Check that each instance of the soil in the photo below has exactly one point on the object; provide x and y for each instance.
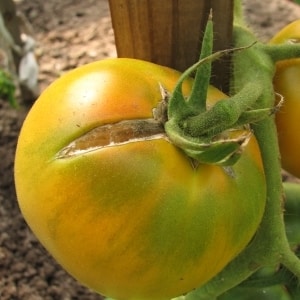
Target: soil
(69, 33)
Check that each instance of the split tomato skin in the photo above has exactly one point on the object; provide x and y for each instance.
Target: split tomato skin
(287, 84)
(138, 220)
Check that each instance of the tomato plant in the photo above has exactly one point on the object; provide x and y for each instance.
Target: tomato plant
(114, 201)
(287, 84)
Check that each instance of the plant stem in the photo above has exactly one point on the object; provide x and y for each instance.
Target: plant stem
(290, 260)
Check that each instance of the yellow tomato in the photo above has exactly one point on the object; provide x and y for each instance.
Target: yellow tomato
(287, 84)
(134, 219)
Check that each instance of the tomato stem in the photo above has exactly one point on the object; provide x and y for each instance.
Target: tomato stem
(283, 51)
(290, 260)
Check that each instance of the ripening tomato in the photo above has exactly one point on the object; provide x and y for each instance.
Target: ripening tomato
(120, 208)
(287, 84)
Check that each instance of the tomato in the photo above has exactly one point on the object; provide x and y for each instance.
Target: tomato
(134, 219)
(287, 84)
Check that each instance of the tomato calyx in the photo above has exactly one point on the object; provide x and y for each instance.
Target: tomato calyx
(210, 134)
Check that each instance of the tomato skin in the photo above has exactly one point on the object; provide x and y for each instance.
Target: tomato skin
(287, 84)
(136, 221)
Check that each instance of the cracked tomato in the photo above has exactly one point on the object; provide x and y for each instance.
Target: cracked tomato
(121, 208)
(287, 84)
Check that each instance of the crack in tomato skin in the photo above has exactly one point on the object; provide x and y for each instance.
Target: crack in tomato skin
(122, 132)
(110, 135)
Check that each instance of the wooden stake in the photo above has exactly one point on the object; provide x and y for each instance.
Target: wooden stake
(168, 32)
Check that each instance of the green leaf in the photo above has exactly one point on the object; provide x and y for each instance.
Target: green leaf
(270, 293)
(292, 212)
(7, 88)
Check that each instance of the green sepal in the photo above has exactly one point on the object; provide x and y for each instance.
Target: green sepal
(224, 149)
(197, 98)
(218, 153)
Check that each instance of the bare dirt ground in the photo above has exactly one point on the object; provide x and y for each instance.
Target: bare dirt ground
(69, 33)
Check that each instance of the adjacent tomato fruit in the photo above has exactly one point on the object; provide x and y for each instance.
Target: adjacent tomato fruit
(287, 84)
(131, 219)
